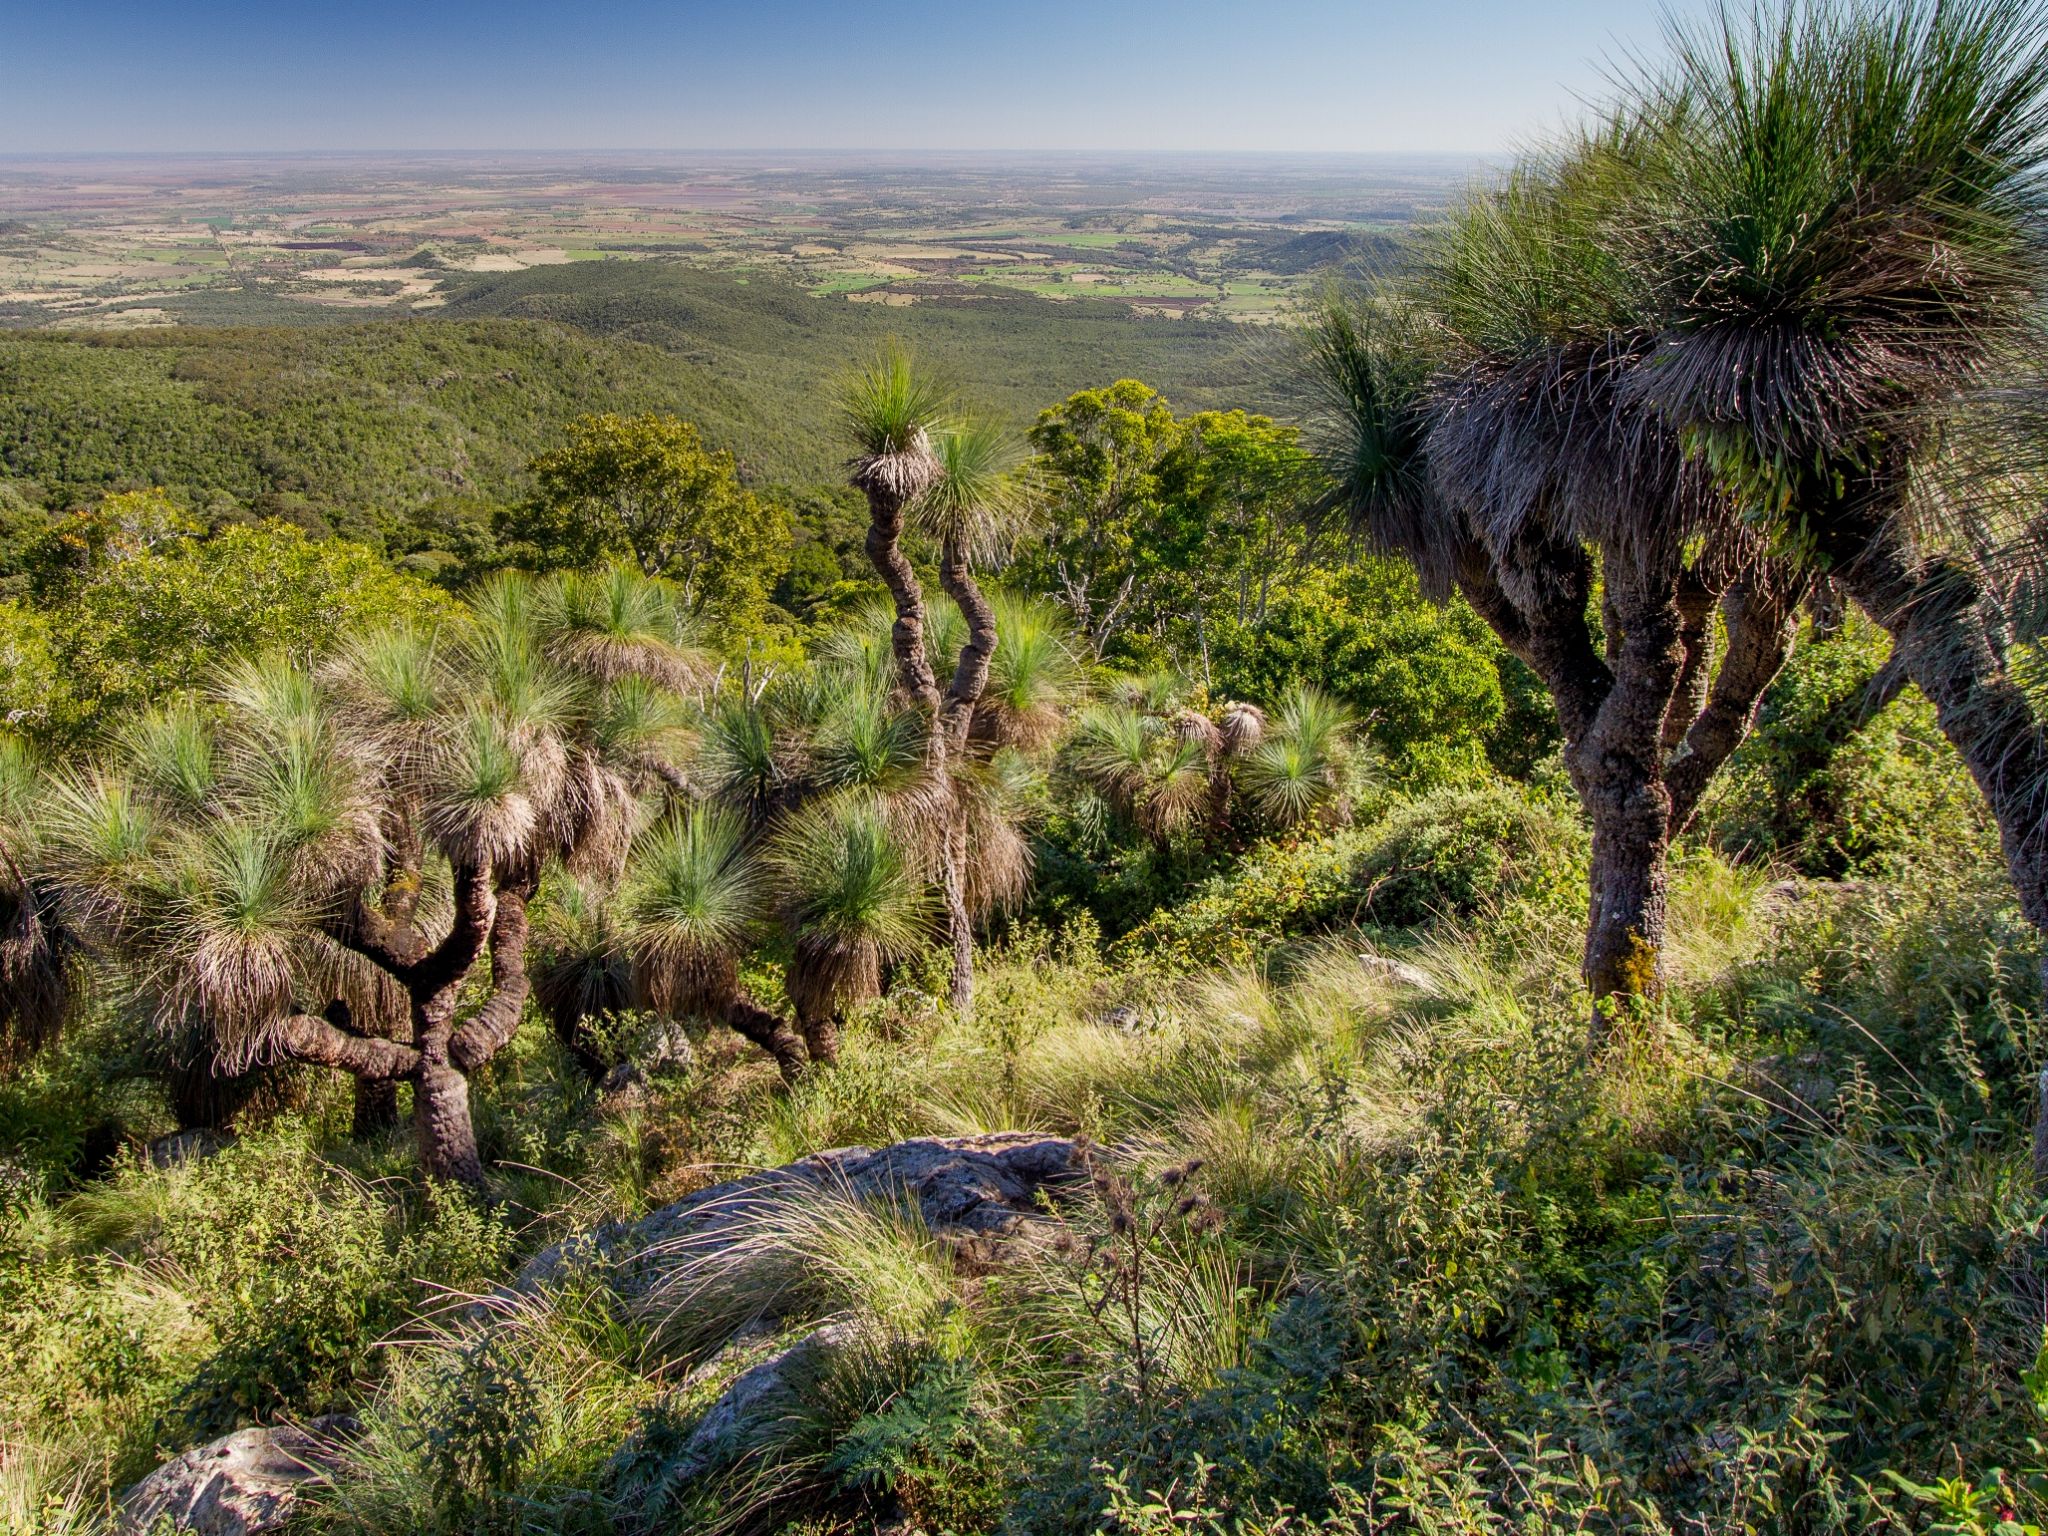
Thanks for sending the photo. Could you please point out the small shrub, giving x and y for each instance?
(1457, 853)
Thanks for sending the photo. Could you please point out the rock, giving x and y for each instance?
(759, 1398)
(1410, 978)
(624, 1081)
(186, 1147)
(670, 1052)
(240, 1484)
(977, 1189)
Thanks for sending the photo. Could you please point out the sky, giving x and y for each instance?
(1467, 76)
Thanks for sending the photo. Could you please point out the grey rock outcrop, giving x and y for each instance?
(239, 1485)
(976, 1190)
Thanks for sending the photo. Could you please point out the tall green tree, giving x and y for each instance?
(646, 489)
(1099, 458)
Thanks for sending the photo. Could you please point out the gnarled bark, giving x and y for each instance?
(771, 1032)
(1617, 768)
(438, 1058)
(1950, 639)
(956, 716)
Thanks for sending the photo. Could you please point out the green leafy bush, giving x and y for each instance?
(1458, 853)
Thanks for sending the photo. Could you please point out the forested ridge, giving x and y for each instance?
(660, 904)
(363, 425)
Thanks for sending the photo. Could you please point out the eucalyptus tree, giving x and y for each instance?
(334, 865)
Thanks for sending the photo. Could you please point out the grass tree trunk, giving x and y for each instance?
(771, 1032)
(441, 1118)
(1950, 641)
(1618, 769)
(956, 716)
(443, 1053)
(884, 546)
(376, 1108)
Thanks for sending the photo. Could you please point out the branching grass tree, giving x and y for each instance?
(1843, 244)
(1477, 424)
(956, 480)
(334, 866)
(971, 510)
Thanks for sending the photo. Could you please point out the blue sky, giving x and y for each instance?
(1322, 75)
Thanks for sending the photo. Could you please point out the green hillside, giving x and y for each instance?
(778, 351)
(359, 428)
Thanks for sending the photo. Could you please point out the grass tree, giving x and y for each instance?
(334, 866)
(1170, 767)
(693, 906)
(1037, 679)
(955, 480)
(1842, 247)
(39, 971)
(856, 899)
(970, 510)
(891, 413)
(1479, 425)
(1293, 768)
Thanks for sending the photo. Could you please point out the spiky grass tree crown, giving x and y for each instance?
(975, 503)
(691, 907)
(1036, 679)
(847, 880)
(857, 652)
(890, 411)
(1299, 769)
(1846, 220)
(617, 623)
(1368, 370)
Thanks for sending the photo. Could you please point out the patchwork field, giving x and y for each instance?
(100, 242)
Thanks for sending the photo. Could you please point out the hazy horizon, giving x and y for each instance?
(1308, 77)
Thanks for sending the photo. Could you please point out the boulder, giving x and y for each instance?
(187, 1147)
(238, 1485)
(758, 1399)
(979, 1190)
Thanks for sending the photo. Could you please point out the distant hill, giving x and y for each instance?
(361, 427)
(354, 428)
(778, 352)
(1313, 250)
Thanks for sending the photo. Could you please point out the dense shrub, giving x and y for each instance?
(1424, 678)
(1458, 853)
(1811, 790)
(164, 1306)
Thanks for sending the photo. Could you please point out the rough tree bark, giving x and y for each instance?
(1647, 719)
(1617, 768)
(443, 1051)
(956, 716)
(1951, 640)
